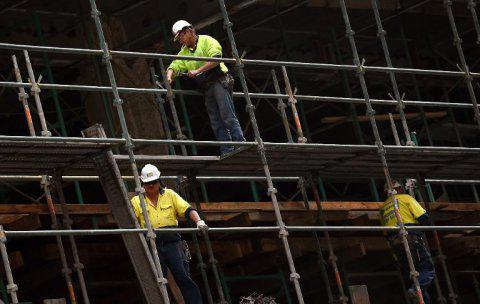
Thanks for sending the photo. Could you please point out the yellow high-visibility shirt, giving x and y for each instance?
(410, 210)
(206, 47)
(169, 207)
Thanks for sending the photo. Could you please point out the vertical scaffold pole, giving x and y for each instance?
(129, 147)
(283, 234)
(66, 271)
(292, 101)
(67, 221)
(211, 257)
(318, 248)
(471, 4)
(281, 107)
(171, 101)
(35, 92)
(331, 253)
(441, 256)
(381, 150)
(23, 97)
(457, 41)
(12, 288)
(400, 106)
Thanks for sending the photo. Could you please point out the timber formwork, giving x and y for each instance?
(55, 156)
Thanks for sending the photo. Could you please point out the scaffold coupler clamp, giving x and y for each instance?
(22, 96)
(181, 136)
(361, 67)
(381, 33)
(447, 2)
(66, 271)
(302, 140)
(294, 276)
(370, 112)
(333, 258)
(12, 288)
(349, 33)
(44, 181)
(280, 105)
(249, 107)
(3, 237)
(78, 266)
(380, 147)
(391, 192)
(283, 232)
(453, 295)
(117, 102)
(414, 274)
(411, 184)
(272, 190)
(202, 266)
(213, 261)
(343, 299)
(107, 56)
(162, 280)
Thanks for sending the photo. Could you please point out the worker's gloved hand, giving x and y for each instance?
(202, 226)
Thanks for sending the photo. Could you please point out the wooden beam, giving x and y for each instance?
(382, 117)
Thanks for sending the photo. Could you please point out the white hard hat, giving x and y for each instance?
(395, 184)
(178, 26)
(149, 173)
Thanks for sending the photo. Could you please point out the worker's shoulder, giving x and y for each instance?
(207, 39)
(169, 192)
(405, 197)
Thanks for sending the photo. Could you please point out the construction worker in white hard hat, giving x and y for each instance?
(164, 207)
(211, 77)
(411, 213)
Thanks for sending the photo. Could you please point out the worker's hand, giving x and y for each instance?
(193, 73)
(202, 226)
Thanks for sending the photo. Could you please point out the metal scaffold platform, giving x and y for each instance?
(31, 156)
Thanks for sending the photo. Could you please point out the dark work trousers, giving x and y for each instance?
(221, 111)
(172, 255)
(421, 259)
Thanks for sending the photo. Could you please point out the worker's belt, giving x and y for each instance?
(171, 237)
(412, 236)
(207, 78)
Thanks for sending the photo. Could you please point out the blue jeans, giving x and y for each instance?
(173, 257)
(421, 259)
(221, 111)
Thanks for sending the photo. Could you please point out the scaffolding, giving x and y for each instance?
(70, 158)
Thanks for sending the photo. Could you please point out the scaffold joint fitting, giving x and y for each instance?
(249, 107)
(213, 261)
(283, 232)
(12, 287)
(78, 266)
(349, 33)
(151, 235)
(94, 13)
(333, 258)
(22, 96)
(140, 190)
(381, 33)
(227, 24)
(46, 133)
(302, 140)
(118, 101)
(370, 112)
(202, 266)
(271, 190)
(181, 136)
(361, 67)
(414, 274)
(294, 276)
(66, 271)
(162, 281)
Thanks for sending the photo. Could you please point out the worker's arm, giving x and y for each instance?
(207, 66)
(418, 212)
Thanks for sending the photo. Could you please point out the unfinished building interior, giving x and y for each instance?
(334, 98)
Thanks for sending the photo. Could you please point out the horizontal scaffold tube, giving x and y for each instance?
(268, 63)
(85, 232)
(332, 147)
(385, 102)
(91, 178)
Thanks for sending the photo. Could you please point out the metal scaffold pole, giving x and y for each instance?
(292, 101)
(283, 234)
(332, 257)
(441, 256)
(400, 106)
(281, 107)
(457, 41)
(67, 222)
(381, 150)
(318, 248)
(23, 97)
(66, 271)
(12, 288)
(129, 147)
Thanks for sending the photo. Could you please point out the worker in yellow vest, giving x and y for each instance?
(411, 213)
(164, 207)
(211, 77)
